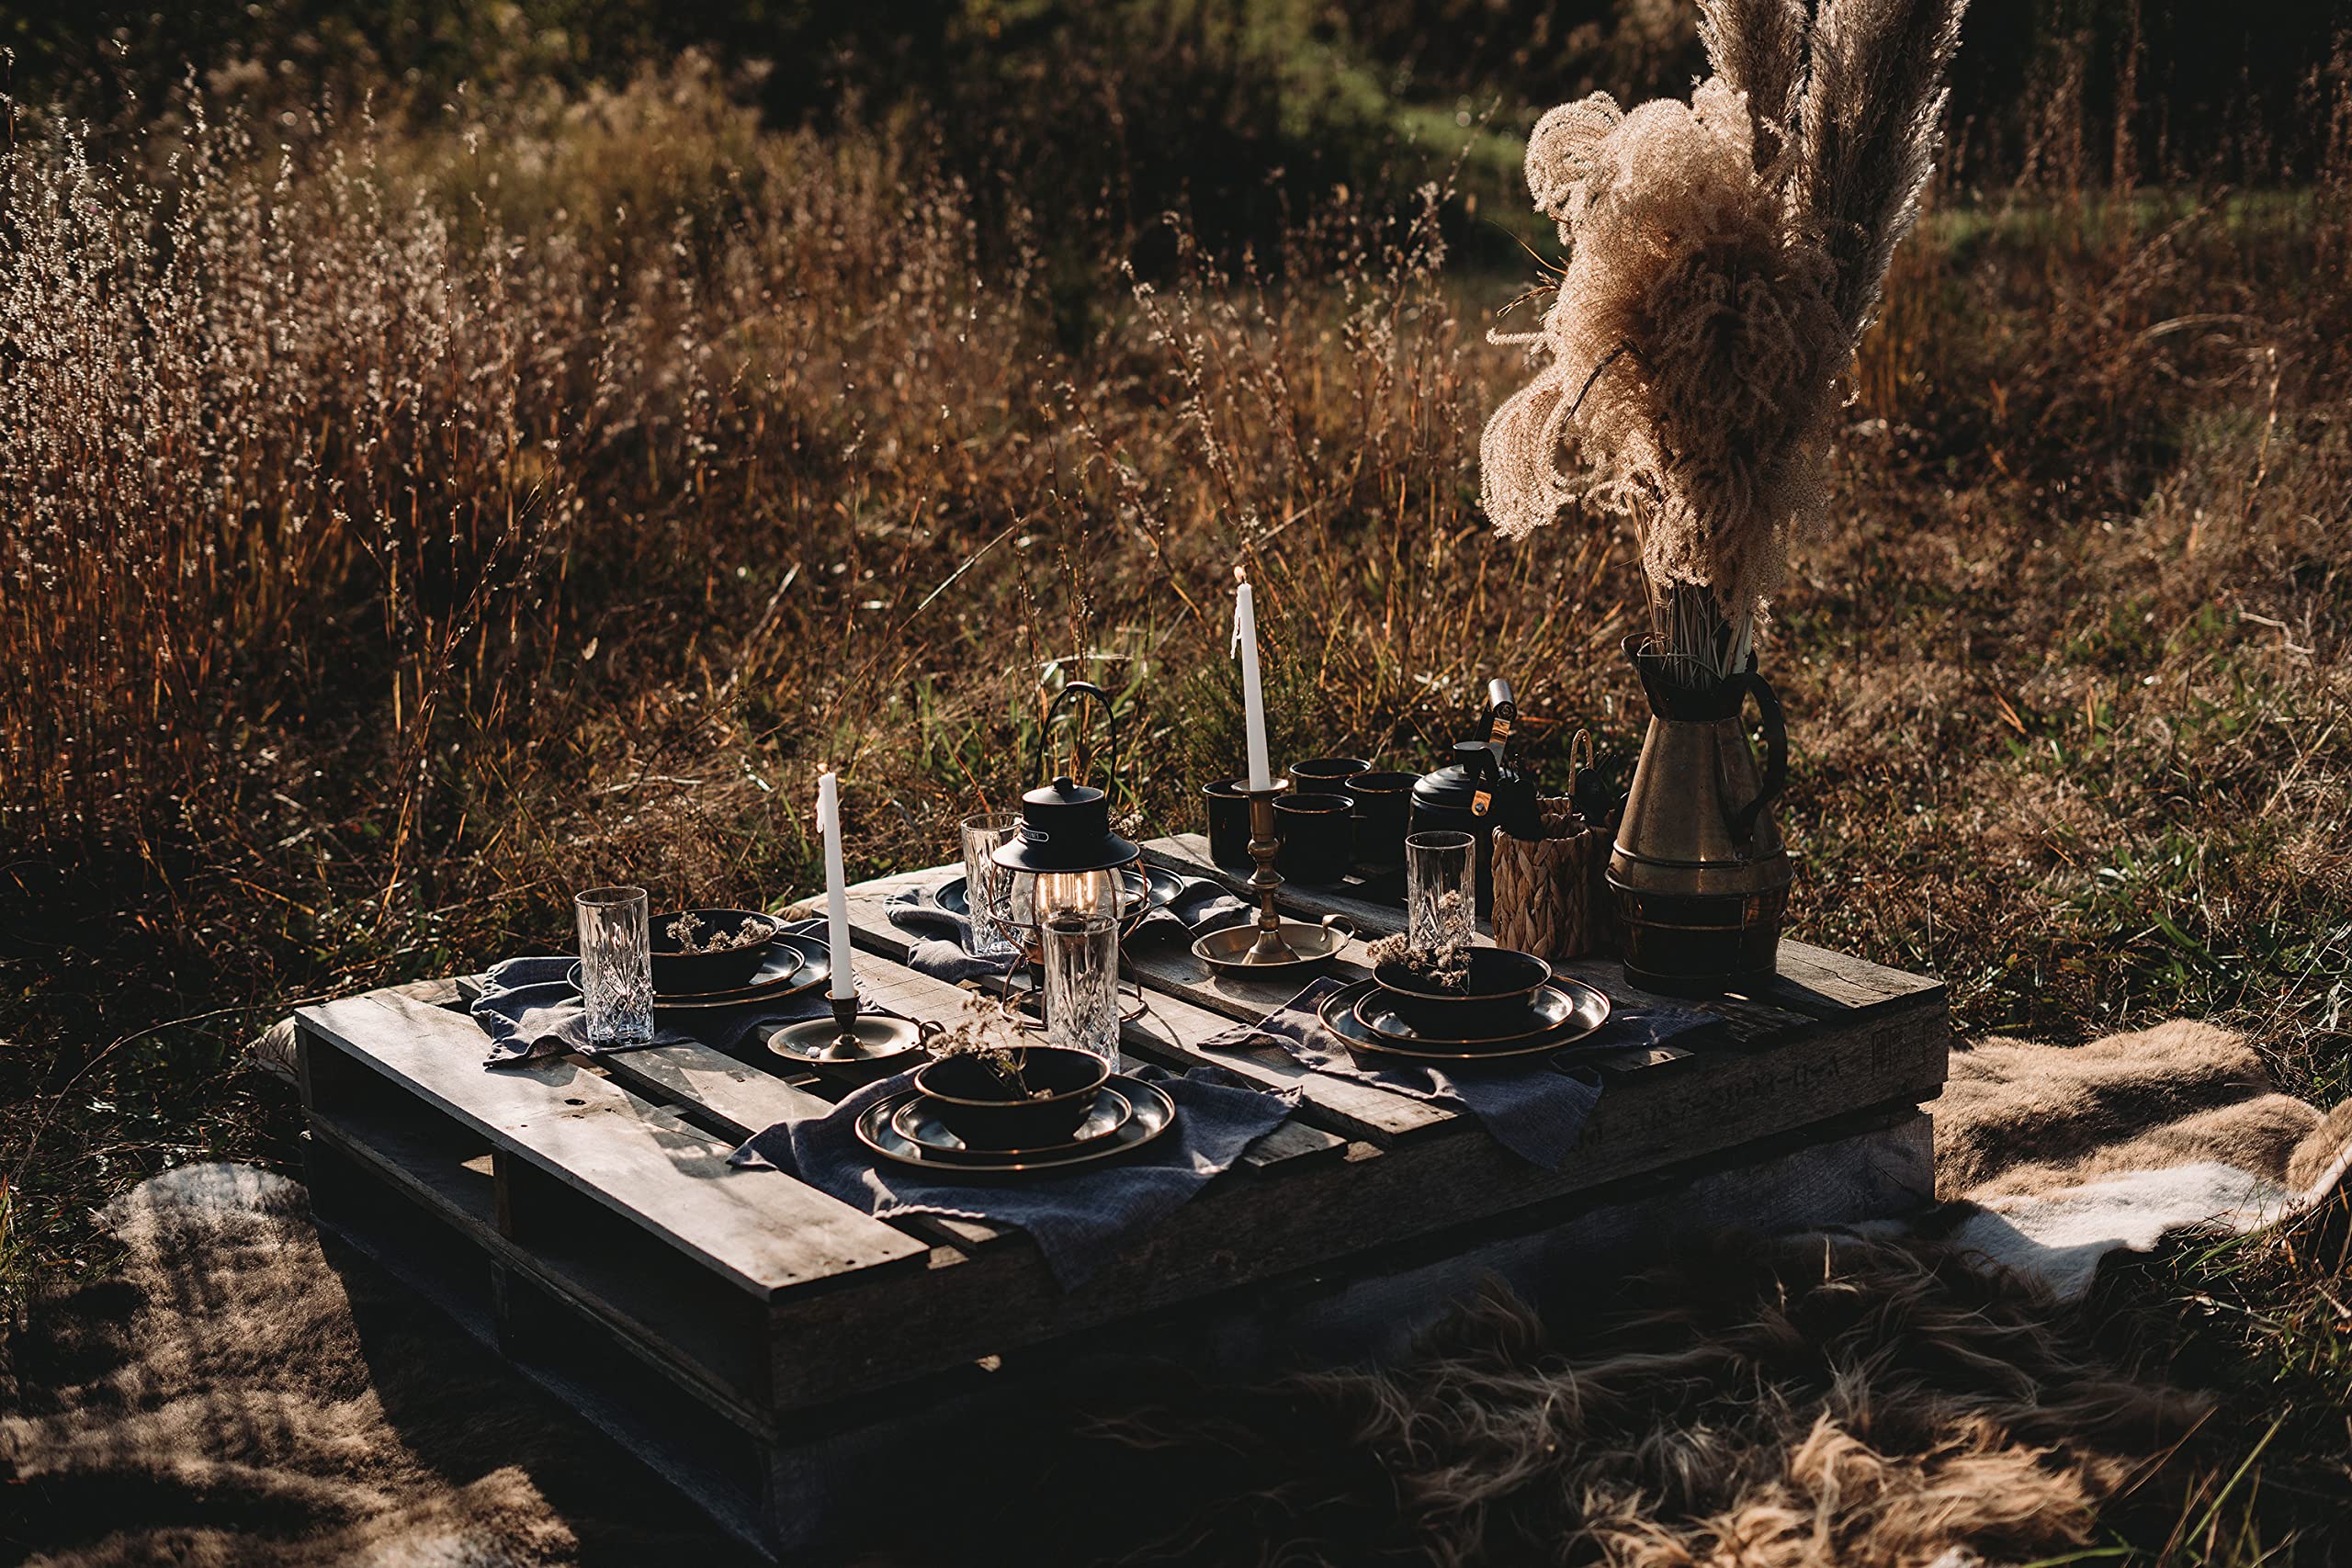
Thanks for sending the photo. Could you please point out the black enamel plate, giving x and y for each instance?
(915, 1122)
(1545, 1012)
(794, 965)
(1152, 1113)
(1339, 1014)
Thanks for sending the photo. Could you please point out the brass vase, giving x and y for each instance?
(1699, 876)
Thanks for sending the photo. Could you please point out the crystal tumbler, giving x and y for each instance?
(615, 965)
(988, 886)
(1082, 983)
(1439, 908)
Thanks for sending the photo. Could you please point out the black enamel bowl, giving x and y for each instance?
(1501, 984)
(988, 1111)
(680, 973)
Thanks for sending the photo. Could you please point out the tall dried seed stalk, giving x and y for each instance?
(1723, 258)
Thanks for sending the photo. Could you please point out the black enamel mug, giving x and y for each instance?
(1319, 838)
(1228, 814)
(1384, 809)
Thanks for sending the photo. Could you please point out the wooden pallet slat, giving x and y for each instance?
(761, 1229)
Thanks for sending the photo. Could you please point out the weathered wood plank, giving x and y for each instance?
(761, 1229)
(741, 1097)
(1837, 985)
(1172, 1034)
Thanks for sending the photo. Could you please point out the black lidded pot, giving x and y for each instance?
(1475, 793)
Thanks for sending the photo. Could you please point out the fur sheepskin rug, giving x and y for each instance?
(236, 1395)
(2056, 1158)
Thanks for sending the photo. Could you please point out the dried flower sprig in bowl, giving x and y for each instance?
(701, 952)
(1445, 967)
(1725, 257)
(756, 931)
(996, 1096)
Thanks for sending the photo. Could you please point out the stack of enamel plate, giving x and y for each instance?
(957, 1118)
(788, 966)
(1509, 1006)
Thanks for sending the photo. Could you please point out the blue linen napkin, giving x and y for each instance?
(942, 948)
(1534, 1106)
(1080, 1219)
(943, 945)
(530, 1010)
(1201, 905)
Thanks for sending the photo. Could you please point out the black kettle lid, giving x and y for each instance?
(1457, 785)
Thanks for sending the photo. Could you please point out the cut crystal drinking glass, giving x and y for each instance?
(1081, 963)
(1439, 907)
(615, 965)
(988, 886)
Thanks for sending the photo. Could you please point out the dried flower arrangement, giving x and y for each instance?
(686, 932)
(979, 1034)
(1724, 257)
(1445, 967)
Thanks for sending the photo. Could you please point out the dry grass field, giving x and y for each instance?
(408, 517)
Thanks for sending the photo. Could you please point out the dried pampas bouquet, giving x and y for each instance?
(1724, 257)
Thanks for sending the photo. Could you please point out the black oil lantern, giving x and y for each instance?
(1066, 860)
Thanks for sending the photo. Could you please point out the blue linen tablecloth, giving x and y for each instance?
(1536, 1107)
(530, 1010)
(1080, 1219)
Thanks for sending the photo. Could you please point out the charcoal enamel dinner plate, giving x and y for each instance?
(1546, 1012)
(915, 1122)
(1339, 1015)
(1152, 1114)
(794, 965)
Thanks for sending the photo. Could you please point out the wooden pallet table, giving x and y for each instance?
(743, 1332)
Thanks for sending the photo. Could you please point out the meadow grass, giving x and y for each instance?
(408, 523)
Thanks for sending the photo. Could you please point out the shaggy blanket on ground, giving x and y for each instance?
(2063, 1155)
(240, 1394)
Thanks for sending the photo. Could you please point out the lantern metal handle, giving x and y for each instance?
(1109, 723)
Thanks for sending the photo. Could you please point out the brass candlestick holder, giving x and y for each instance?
(1265, 843)
(865, 1044)
(1272, 942)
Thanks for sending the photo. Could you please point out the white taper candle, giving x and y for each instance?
(828, 826)
(1253, 697)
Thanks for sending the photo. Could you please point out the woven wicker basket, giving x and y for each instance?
(1552, 893)
(1544, 888)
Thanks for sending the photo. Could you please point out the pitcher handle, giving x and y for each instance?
(1776, 758)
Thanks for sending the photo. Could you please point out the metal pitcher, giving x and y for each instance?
(1699, 874)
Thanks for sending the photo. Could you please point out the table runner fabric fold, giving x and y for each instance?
(942, 945)
(530, 1010)
(1080, 1219)
(942, 941)
(1535, 1108)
